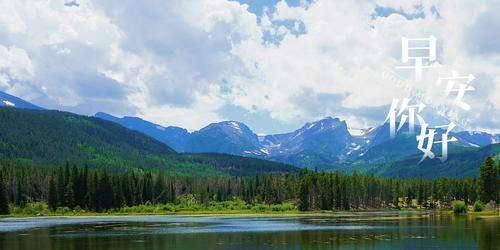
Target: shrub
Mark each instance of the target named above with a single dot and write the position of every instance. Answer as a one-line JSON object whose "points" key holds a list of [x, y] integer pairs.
{"points": [[32, 208], [478, 206], [459, 207], [63, 210], [282, 207], [168, 208], [188, 200], [78, 210], [259, 208]]}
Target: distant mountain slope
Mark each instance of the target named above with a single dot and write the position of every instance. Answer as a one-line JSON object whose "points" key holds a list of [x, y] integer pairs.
{"points": [[325, 144], [52, 137], [321, 142], [461, 162], [479, 138], [237, 165], [7, 100], [382, 149], [224, 137], [175, 137], [227, 137]]}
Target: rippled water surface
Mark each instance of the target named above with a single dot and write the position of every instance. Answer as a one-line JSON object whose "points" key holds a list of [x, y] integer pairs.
{"points": [[374, 230]]}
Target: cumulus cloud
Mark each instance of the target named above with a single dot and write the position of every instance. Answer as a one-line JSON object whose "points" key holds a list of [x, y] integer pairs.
{"points": [[347, 50], [15, 65], [181, 62]]}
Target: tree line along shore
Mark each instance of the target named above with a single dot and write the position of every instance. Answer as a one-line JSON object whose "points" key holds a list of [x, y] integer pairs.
{"points": [[72, 189]]}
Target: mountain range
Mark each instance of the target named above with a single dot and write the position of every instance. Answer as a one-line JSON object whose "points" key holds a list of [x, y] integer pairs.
{"points": [[38, 137], [327, 144]]}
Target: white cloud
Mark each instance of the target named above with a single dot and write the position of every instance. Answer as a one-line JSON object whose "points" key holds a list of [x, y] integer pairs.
{"points": [[9, 18], [179, 62], [346, 51], [16, 65]]}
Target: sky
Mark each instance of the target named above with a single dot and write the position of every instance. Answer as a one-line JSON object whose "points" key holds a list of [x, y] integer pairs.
{"points": [[273, 64]]}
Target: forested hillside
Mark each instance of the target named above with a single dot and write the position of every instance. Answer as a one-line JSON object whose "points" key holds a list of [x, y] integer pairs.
{"points": [[50, 138]]}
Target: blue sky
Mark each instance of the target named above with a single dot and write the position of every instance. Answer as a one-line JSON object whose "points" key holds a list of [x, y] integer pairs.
{"points": [[273, 65], [257, 6]]}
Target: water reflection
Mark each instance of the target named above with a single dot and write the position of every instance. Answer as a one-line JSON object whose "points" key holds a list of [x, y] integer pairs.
{"points": [[340, 231]]}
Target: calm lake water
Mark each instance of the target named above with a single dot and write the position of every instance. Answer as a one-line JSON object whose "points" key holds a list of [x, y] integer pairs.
{"points": [[369, 230]]}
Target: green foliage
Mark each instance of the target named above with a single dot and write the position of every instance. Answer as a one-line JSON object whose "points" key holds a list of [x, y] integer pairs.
{"points": [[478, 206], [105, 191], [63, 210], [69, 196], [304, 190], [4, 201], [489, 181], [459, 207], [83, 188], [36, 208], [236, 165], [283, 207], [52, 199]]}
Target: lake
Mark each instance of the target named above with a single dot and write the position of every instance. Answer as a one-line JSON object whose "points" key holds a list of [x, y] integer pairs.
{"points": [[364, 230]]}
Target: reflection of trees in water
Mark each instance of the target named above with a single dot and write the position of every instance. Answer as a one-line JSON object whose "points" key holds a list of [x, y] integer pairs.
{"points": [[488, 233], [465, 232]]}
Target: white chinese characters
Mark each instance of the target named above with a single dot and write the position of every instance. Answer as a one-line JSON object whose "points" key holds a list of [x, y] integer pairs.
{"points": [[406, 112], [421, 53], [429, 138], [460, 90]]}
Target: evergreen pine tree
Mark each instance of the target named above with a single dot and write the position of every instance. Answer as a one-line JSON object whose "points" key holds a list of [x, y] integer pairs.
{"points": [[77, 190], [159, 190], [147, 192], [84, 177], [20, 195], [488, 181], [4, 201], [105, 191], [171, 193], [92, 197], [69, 197], [118, 199], [127, 186], [338, 193], [61, 188], [52, 199], [355, 188], [345, 194], [304, 185], [21, 187]]}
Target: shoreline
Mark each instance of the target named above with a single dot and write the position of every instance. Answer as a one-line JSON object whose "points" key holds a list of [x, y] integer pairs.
{"points": [[292, 213]]}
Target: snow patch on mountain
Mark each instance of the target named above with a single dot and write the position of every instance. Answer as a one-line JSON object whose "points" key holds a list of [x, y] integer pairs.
{"points": [[354, 147], [234, 125], [264, 150], [356, 131], [8, 103]]}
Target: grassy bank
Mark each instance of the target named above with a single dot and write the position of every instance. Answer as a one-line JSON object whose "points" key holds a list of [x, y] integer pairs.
{"points": [[185, 208], [234, 207]]}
